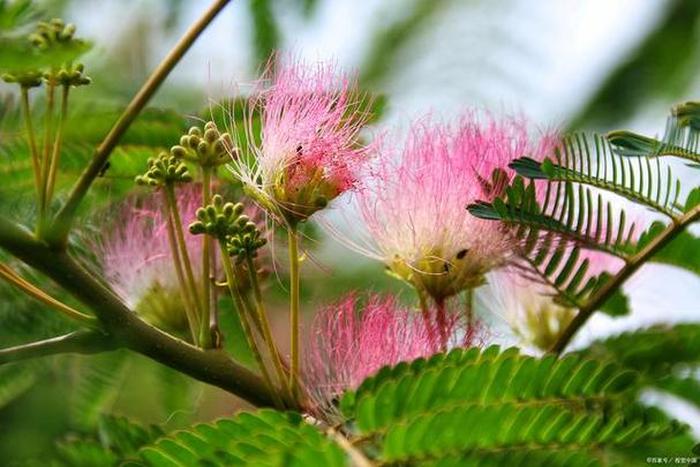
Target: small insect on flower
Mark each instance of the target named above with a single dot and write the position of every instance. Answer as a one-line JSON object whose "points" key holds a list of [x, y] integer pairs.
{"points": [[309, 149], [352, 339], [414, 209]]}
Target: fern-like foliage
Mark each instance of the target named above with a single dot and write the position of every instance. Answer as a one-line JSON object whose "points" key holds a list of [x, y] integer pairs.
{"points": [[116, 439], [561, 210], [261, 438], [552, 226], [662, 355], [592, 161], [681, 138], [472, 407]]}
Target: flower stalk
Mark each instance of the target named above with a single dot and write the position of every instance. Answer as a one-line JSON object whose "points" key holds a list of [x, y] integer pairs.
{"points": [[265, 323], [294, 289], [205, 332], [52, 170], [185, 287], [36, 166], [235, 292], [174, 217]]}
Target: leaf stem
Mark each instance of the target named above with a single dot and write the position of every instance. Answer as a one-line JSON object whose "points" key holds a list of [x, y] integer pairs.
{"points": [[64, 219], [18, 281], [264, 322], [36, 166], [294, 287], [612, 285]]}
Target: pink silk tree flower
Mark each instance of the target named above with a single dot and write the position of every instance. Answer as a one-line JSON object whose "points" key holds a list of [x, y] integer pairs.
{"points": [[415, 205], [350, 341], [307, 150], [528, 304], [137, 259]]}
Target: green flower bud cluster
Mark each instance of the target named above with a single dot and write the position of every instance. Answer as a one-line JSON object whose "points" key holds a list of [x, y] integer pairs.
{"points": [[227, 223], [164, 169], [208, 149], [49, 33], [26, 79], [72, 75]]}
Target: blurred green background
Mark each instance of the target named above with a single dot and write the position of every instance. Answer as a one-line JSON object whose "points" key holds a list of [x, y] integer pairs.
{"points": [[572, 64]]}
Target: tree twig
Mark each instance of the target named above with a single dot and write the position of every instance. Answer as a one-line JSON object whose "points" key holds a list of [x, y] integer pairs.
{"points": [[58, 232], [80, 342], [634, 263], [213, 367]]}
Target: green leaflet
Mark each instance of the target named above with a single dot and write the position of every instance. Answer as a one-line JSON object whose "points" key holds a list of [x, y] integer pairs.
{"points": [[591, 161], [265, 437], [653, 350], [96, 386], [553, 228], [683, 251], [660, 353], [116, 440], [482, 407]]}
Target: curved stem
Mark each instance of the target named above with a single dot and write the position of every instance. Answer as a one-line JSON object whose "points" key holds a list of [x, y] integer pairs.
{"points": [[294, 288], [247, 330], [174, 214], [205, 332], [427, 321], [599, 298], [18, 281], [56, 154], [48, 124], [190, 309], [213, 367], [264, 323], [36, 166], [64, 219], [441, 322]]}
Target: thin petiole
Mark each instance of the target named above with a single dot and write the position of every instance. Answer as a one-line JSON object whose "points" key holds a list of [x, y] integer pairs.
{"points": [[190, 309], [264, 322], [247, 330], [56, 154], [36, 165], [294, 286]]}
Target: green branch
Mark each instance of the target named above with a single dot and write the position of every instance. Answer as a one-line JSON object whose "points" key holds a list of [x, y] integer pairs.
{"points": [[611, 286], [64, 219], [125, 327], [80, 342]]}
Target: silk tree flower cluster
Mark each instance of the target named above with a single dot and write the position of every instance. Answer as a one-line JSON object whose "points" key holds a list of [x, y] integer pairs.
{"points": [[309, 149], [353, 338], [415, 212]]}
